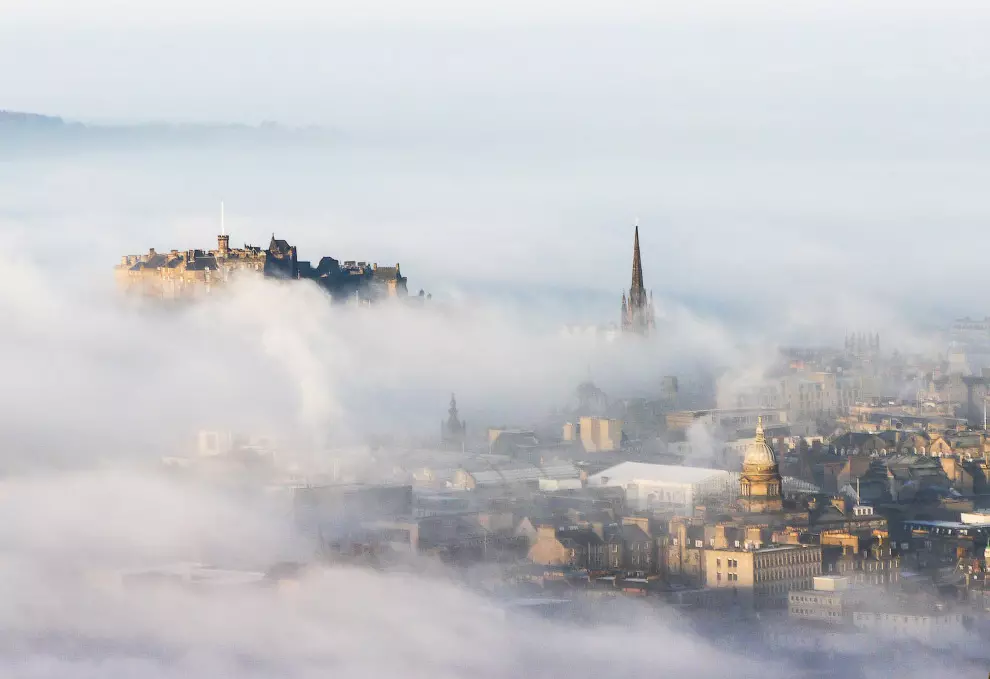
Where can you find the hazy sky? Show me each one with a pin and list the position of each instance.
(839, 148)
(875, 70)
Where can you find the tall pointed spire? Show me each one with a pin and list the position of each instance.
(637, 313)
(452, 411)
(637, 291)
(452, 432)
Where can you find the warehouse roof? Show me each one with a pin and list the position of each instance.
(644, 472)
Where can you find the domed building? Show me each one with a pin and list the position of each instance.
(760, 486)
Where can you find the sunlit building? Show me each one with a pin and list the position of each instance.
(183, 274)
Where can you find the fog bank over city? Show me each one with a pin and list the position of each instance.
(801, 176)
(66, 535)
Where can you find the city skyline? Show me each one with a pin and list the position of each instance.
(699, 369)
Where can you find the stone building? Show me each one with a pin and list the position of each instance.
(193, 273)
(627, 546)
(600, 434)
(831, 601)
(860, 559)
(763, 577)
(932, 624)
(761, 485)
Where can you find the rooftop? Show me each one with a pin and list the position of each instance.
(633, 472)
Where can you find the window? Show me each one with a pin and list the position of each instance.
(718, 563)
(718, 577)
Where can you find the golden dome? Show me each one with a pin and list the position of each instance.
(759, 453)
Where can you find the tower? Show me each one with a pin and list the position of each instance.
(760, 485)
(223, 240)
(453, 431)
(637, 312)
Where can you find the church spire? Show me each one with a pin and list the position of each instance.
(636, 312)
(453, 431)
(637, 291)
(452, 411)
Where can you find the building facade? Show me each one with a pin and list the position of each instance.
(763, 577)
(600, 434)
(831, 601)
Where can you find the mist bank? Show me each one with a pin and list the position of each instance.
(756, 245)
(71, 538)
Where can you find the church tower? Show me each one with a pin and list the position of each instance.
(637, 312)
(453, 432)
(760, 486)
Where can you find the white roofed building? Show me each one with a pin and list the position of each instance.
(670, 487)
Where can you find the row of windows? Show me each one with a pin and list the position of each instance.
(783, 588)
(813, 600)
(916, 619)
(812, 611)
(731, 577)
(772, 574)
(790, 557)
(732, 563)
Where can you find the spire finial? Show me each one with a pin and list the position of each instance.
(760, 436)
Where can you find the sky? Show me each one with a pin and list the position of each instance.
(838, 147)
(798, 170)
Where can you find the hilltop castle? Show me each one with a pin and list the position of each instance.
(192, 273)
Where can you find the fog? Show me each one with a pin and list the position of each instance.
(63, 617)
(797, 173)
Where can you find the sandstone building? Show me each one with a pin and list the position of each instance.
(760, 486)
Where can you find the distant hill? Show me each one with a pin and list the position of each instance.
(32, 120)
(33, 131)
